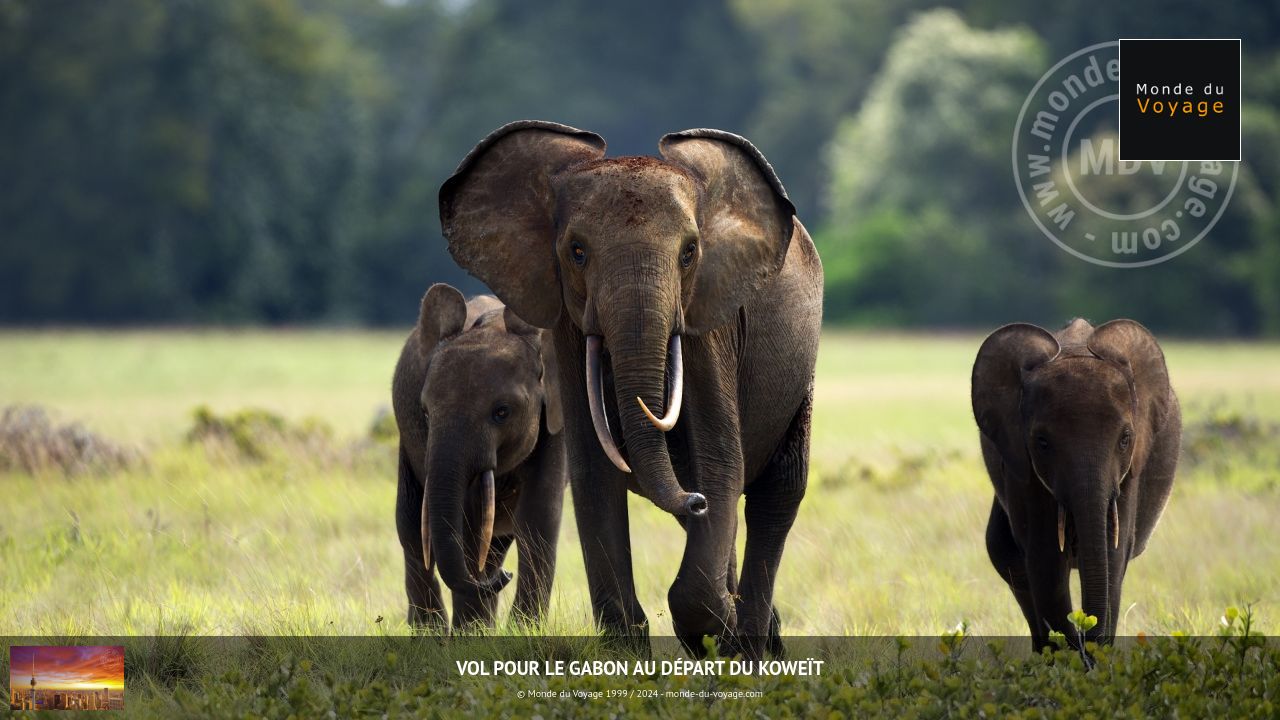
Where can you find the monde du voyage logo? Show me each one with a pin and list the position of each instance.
(1126, 153)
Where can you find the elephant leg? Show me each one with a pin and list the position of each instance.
(1049, 575)
(599, 504)
(1010, 563)
(701, 598)
(774, 645)
(773, 501)
(470, 609)
(1118, 568)
(600, 510)
(537, 521)
(426, 603)
(728, 643)
(731, 573)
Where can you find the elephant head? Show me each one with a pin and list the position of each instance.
(634, 252)
(1079, 420)
(485, 401)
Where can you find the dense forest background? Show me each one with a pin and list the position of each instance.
(277, 161)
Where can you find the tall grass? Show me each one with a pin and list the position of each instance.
(888, 541)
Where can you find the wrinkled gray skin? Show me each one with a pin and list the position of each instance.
(701, 245)
(463, 361)
(1085, 421)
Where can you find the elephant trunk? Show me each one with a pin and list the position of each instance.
(595, 397)
(445, 529)
(638, 319)
(642, 376)
(1094, 534)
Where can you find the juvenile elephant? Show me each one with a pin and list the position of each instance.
(1080, 432)
(480, 433)
(685, 300)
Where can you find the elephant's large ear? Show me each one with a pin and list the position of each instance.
(541, 339)
(996, 391)
(1135, 350)
(745, 220)
(497, 211)
(442, 315)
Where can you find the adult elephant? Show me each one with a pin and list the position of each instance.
(685, 301)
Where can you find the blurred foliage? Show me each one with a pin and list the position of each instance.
(30, 442)
(253, 430)
(910, 238)
(256, 435)
(925, 227)
(277, 161)
(1226, 441)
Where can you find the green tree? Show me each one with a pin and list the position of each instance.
(921, 227)
(817, 59)
(176, 161)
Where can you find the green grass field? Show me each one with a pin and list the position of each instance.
(889, 539)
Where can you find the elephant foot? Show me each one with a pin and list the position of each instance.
(709, 631)
(696, 644)
(754, 647)
(699, 612)
(624, 630)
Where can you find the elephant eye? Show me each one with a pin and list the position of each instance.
(1042, 442)
(500, 413)
(689, 253)
(578, 252)
(1125, 440)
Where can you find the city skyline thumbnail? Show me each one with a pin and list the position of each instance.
(66, 677)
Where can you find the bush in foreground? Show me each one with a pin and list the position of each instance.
(1236, 674)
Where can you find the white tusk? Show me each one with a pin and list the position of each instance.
(486, 520)
(595, 398)
(1115, 523)
(1062, 529)
(426, 533)
(675, 362)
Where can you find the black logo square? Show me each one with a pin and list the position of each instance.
(1179, 100)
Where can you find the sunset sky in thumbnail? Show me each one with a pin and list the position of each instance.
(89, 667)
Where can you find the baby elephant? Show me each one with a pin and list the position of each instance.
(1080, 433)
(482, 460)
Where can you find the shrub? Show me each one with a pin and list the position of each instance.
(1232, 674)
(253, 432)
(257, 435)
(30, 442)
(1234, 448)
(1225, 433)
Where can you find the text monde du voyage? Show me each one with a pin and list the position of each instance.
(1178, 99)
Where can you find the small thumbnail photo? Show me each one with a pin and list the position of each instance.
(66, 677)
